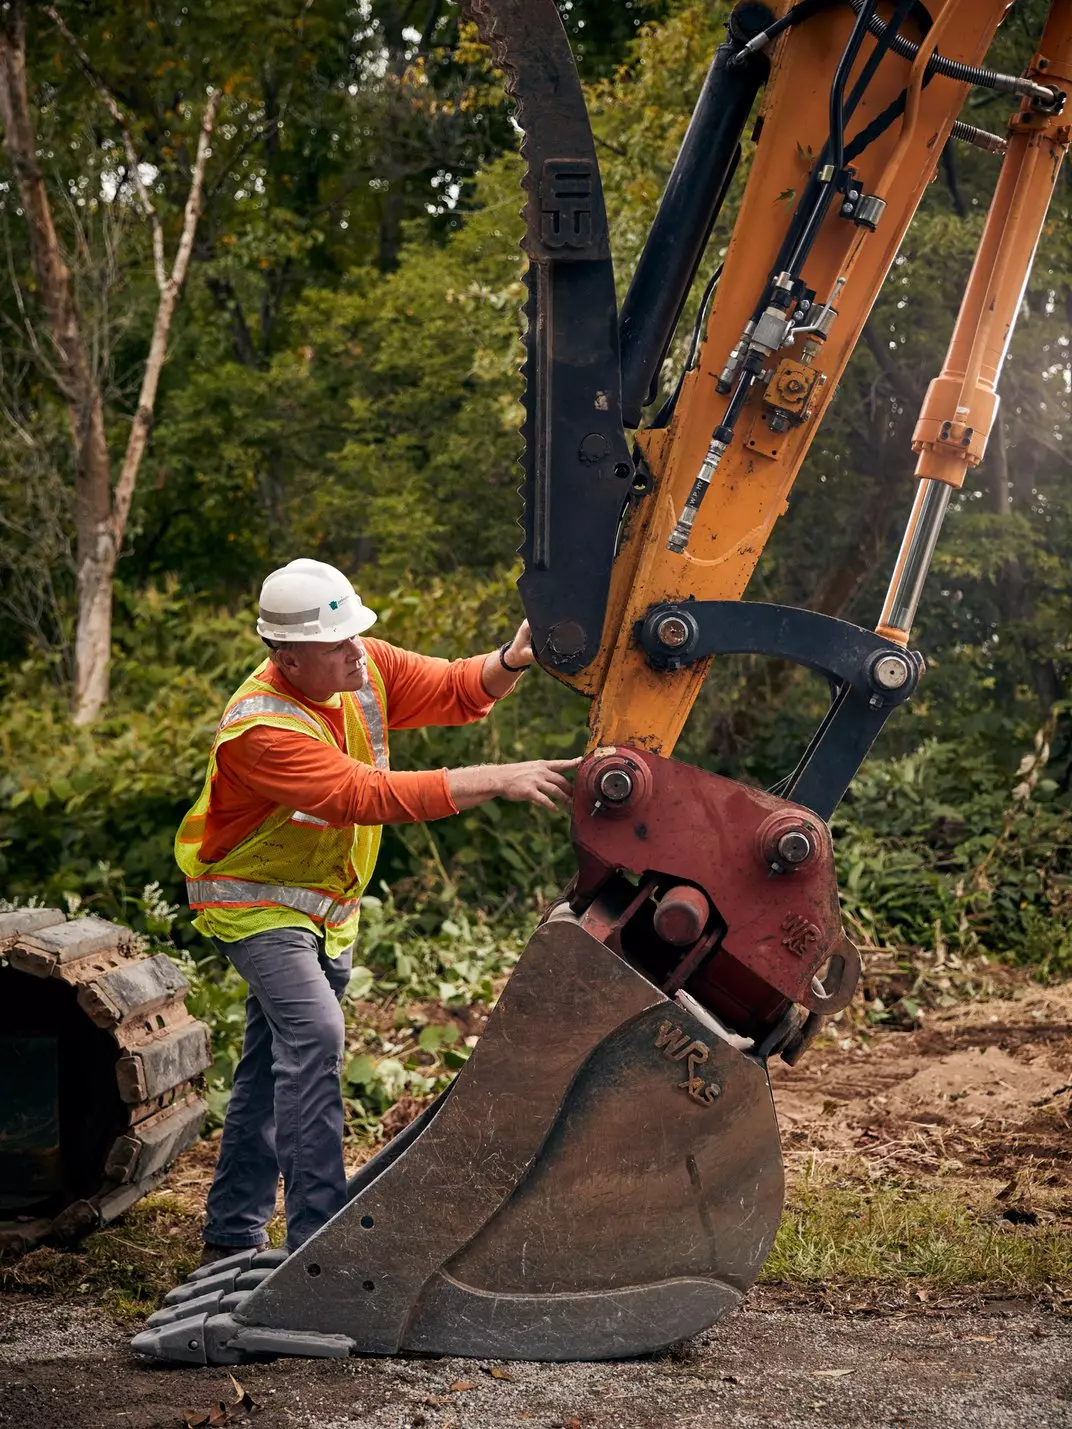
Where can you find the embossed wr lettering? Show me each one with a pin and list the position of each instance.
(800, 936)
(677, 1046)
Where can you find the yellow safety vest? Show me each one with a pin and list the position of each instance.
(292, 871)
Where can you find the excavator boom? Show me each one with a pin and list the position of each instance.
(604, 1176)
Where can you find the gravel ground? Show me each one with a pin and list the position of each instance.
(1008, 1366)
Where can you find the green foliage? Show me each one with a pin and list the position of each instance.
(416, 968)
(934, 853)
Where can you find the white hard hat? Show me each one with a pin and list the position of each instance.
(309, 600)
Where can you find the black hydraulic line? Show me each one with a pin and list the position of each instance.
(666, 411)
(957, 69)
(841, 78)
(803, 10)
(777, 292)
(834, 151)
(801, 232)
(689, 207)
(708, 293)
(799, 12)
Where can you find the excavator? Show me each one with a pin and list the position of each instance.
(604, 1176)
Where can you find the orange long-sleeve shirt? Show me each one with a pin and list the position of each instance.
(264, 768)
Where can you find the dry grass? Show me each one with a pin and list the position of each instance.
(125, 1268)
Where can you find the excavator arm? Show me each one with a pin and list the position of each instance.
(604, 1177)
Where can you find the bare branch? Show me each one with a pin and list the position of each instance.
(143, 417)
(897, 377)
(112, 105)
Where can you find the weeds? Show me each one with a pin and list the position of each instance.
(125, 1268)
(911, 1237)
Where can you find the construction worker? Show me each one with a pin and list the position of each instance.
(280, 846)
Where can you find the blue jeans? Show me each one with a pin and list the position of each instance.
(285, 1111)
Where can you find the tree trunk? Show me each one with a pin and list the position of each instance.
(74, 375)
(93, 635)
(100, 514)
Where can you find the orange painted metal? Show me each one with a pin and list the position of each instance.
(959, 408)
(750, 489)
(961, 403)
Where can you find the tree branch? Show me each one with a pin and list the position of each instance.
(898, 379)
(143, 417)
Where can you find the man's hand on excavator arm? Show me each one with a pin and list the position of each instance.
(537, 781)
(504, 667)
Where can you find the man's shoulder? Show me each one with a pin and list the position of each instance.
(390, 660)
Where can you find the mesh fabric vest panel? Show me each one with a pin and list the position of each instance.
(292, 871)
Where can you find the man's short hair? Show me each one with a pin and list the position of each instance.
(273, 644)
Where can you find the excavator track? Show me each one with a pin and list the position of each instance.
(99, 1069)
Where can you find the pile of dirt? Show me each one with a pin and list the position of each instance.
(983, 1087)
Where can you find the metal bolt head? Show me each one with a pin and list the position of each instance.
(594, 447)
(891, 672)
(672, 632)
(794, 847)
(615, 786)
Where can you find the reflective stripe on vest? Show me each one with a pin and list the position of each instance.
(250, 705)
(370, 708)
(222, 892)
(299, 818)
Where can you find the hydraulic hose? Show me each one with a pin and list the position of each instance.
(864, 15)
(957, 69)
(803, 10)
(687, 211)
(980, 138)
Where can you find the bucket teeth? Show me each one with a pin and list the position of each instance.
(223, 1282)
(170, 1314)
(255, 1258)
(216, 1302)
(204, 1339)
(195, 1339)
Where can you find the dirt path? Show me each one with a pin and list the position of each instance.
(976, 1103)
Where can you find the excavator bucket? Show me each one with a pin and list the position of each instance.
(602, 1179)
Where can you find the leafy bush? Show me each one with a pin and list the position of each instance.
(936, 848)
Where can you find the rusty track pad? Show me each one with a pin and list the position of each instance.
(603, 1179)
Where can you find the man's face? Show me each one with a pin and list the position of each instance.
(322, 668)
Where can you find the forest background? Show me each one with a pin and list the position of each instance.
(341, 380)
